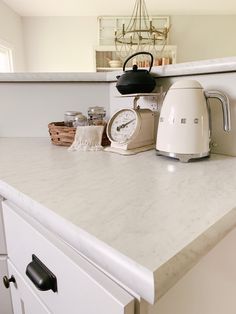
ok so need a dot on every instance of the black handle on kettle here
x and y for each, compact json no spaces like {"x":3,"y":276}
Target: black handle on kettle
{"x":41,"y":276}
{"x":139,"y":53}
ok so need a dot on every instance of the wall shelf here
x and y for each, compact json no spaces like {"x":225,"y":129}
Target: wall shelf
{"x":104,"y":53}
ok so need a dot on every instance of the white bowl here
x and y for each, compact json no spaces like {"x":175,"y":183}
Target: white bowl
{"x":115,"y":63}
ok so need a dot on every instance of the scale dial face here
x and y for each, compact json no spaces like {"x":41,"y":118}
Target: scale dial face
{"x":122,"y":126}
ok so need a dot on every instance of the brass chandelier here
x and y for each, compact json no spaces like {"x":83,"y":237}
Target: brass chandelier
{"x":139,"y":34}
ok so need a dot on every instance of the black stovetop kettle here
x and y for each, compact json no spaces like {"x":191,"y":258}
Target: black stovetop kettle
{"x":136,"y":80}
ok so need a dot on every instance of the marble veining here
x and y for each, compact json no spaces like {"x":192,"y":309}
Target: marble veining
{"x":144,"y":219}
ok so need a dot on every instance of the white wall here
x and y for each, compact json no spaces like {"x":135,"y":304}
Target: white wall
{"x":27,"y":108}
{"x":201,"y":37}
{"x":67,"y":43}
{"x":11,"y":32}
{"x":64,"y":44}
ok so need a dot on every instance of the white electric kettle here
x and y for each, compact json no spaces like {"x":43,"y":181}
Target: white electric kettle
{"x":184,"y":123}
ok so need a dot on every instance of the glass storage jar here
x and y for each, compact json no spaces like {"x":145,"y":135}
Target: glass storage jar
{"x":96,"y":115}
{"x":80,"y":120}
{"x":69,"y":117}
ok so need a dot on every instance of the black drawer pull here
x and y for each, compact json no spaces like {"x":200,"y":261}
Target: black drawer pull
{"x":41,"y":276}
{"x":7,"y":281}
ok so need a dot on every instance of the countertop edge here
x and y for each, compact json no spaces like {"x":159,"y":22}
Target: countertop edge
{"x":168,"y":274}
{"x":134,"y":276}
{"x":219,"y":65}
{"x":53,"y":77}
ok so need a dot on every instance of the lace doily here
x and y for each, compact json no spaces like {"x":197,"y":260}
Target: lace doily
{"x":88,"y":138}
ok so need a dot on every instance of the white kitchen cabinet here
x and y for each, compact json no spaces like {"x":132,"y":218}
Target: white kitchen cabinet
{"x":81,"y":287}
{"x":5,"y":297}
{"x":23,"y":297}
{"x":3,"y":250}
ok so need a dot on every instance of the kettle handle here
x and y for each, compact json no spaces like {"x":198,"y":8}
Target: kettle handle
{"x":139,"y":53}
{"x":225,"y":107}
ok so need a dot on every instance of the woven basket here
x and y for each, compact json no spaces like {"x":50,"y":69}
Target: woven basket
{"x":64,"y":135}
{"x":60,"y":134}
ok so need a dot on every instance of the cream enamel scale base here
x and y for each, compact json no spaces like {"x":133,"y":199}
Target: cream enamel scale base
{"x":129,"y":151}
{"x":131,"y":131}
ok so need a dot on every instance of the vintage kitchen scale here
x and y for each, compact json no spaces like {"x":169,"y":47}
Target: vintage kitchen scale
{"x":131,"y":130}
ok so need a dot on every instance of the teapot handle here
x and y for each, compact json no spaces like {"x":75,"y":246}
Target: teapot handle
{"x":225,"y":107}
{"x":139,"y":53}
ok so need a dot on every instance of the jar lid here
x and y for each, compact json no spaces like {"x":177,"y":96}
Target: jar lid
{"x":72,"y":113}
{"x":96,"y":110}
{"x":80,"y":117}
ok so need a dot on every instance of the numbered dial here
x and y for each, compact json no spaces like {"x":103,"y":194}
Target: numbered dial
{"x":122,"y":126}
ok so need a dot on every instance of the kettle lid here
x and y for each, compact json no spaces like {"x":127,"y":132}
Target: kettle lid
{"x":183,"y":84}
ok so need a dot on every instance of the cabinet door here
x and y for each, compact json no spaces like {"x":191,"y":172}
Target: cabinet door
{"x":23,"y":298}
{"x":5,"y":297}
{"x":2,"y":235}
{"x":81,"y":287}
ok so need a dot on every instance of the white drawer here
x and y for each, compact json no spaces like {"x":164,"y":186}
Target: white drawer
{"x":82,"y":288}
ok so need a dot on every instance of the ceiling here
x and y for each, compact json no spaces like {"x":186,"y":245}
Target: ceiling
{"x":118,"y":7}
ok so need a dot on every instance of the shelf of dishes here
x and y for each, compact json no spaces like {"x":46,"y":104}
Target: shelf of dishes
{"x":107,"y":59}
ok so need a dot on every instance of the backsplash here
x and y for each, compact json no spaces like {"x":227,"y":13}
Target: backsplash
{"x":27,"y":108}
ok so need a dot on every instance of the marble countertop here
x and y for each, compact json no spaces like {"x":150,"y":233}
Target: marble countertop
{"x":53,"y":77}
{"x":219,"y":65}
{"x":144,"y":219}
{"x":188,"y":68}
